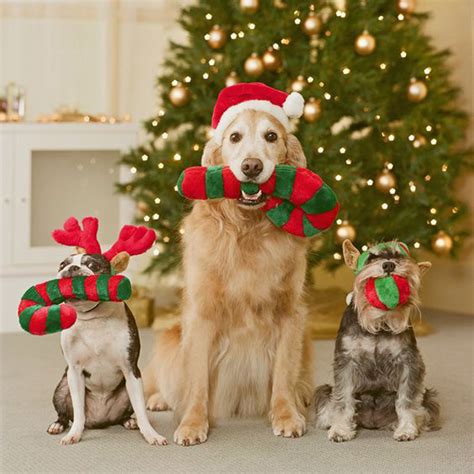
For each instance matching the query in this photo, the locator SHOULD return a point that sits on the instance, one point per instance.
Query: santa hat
(255, 96)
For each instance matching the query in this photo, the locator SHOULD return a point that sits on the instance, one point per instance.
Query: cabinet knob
(23, 200)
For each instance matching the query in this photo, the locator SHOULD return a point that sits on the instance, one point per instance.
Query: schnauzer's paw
(55, 428)
(406, 433)
(130, 424)
(157, 403)
(290, 426)
(340, 433)
(153, 438)
(188, 435)
(71, 438)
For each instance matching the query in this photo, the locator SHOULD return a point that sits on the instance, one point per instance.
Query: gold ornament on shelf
(217, 37)
(385, 181)
(345, 231)
(406, 6)
(254, 65)
(365, 44)
(249, 6)
(232, 79)
(298, 84)
(312, 24)
(179, 95)
(312, 110)
(442, 243)
(417, 91)
(271, 60)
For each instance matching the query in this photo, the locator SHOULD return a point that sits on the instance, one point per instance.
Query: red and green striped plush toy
(42, 309)
(299, 202)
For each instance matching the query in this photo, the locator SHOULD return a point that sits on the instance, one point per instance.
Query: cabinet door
(6, 197)
(61, 174)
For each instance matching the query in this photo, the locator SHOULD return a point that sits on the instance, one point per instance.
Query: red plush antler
(133, 240)
(72, 234)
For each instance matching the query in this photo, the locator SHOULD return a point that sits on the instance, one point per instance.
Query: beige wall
(104, 55)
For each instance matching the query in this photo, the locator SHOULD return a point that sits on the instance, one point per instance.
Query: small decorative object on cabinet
(49, 172)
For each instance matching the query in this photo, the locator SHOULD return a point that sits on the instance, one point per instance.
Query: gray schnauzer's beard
(397, 320)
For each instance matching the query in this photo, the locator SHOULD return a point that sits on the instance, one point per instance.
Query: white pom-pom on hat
(294, 105)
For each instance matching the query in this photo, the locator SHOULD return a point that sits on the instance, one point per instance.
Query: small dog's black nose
(251, 167)
(388, 266)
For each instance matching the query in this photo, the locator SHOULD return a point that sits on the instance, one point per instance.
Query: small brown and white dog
(241, 349)
(378, 369)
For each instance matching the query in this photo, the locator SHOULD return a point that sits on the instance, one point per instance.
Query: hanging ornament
(232, 79)
(365, 44)
(179, 95)
(217, 37)
(312, 25)
(271, 60)
(312, 110)
(249, 6)
(385, 181)
(298, 84)
(280, 4)
(417, 91)
(442, 243)
(419, 141)
(345, 231)
(406, 6)
(253, 65)
(143, 207)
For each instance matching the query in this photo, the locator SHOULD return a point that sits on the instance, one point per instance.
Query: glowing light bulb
(133, 170)
(144, 157)
(417, 245)
(157, 200)
(384, 206)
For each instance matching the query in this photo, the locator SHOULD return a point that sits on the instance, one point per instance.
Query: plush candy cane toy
(42, 309)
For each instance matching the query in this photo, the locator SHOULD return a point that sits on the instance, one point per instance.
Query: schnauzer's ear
(351, 254)
(424, 267)
(80, 250)
(212, 154)
(294, 152)
(120, 262)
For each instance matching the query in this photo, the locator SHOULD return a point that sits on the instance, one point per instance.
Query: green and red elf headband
(385, 293)
(299, 203)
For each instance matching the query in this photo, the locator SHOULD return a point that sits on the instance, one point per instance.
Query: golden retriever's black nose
(251, 167)
(388, 267)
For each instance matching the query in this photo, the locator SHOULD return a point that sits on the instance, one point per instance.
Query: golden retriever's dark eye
(235, 137)
(271, 137)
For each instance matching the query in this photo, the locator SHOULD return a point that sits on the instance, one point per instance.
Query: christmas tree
(380, 124)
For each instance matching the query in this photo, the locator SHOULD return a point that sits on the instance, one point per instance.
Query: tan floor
(31, 366)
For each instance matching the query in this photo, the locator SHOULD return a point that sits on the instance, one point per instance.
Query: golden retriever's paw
(156, 402)
(340, 433)
(188, 435)
(290, 426)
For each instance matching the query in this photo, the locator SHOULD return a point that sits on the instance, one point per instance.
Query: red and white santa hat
(255, 96)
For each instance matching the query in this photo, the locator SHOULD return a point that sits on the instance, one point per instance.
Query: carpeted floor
(31, 366)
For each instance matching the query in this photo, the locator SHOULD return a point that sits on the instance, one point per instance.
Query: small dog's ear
(351, 254)
(120, 262)
(424, 267)
(80, 250)
(294, 152)
(211, 155)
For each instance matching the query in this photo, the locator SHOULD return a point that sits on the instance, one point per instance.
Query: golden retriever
(241, 349)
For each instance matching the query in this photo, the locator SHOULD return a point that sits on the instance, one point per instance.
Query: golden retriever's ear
(351, 254)
(294, 152)
(212, 154)
(424, 267)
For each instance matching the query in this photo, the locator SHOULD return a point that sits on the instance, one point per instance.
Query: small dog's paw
(71, 438)
(340, 433)
(292, 426)
(187, 435)
(130, 424)
(153, 438)
(157, 403)
(55, 428)
(406, 433)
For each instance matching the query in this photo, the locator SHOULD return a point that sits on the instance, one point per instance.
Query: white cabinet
(49, 172)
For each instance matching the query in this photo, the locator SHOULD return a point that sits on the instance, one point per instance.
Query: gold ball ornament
(249, 6)
(143, 207)
(345, 231)
(442, 243)
(312, 110)
(217, 37)
(232, 79)
(365, 44)
(312, 25)
(179, 95)
(254, 65)
(298, 84)
(406, 6)
(417, 91)
(419, 141)
(271, 60)
(385, 181)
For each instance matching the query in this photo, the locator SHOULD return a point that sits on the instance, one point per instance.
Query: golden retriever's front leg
(286, 419)
(194, 424)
